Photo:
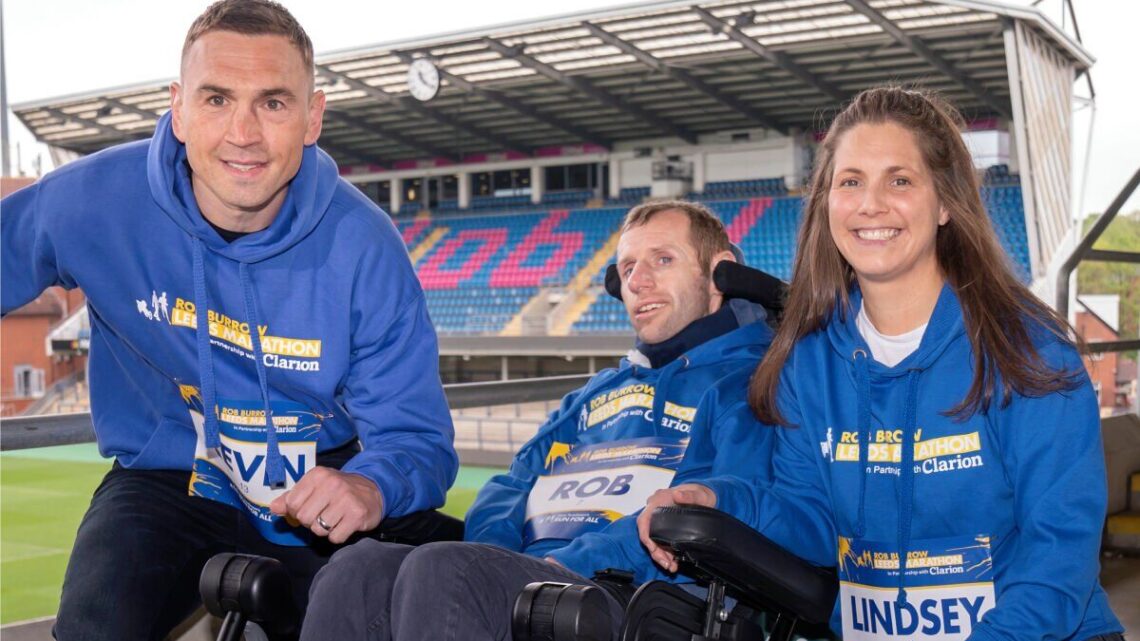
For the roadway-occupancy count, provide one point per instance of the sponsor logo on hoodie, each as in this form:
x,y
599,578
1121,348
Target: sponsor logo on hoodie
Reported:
x,y
931,456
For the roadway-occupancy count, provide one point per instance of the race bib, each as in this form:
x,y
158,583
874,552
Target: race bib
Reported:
x,y
949,588
588,487
235,473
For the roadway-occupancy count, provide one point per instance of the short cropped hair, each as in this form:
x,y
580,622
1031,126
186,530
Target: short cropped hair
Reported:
x,y
706,232
251,18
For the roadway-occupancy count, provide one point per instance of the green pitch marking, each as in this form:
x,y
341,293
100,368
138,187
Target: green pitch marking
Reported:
x,y
42,500
43,495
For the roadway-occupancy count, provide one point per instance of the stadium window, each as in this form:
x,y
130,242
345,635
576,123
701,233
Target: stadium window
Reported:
x,y
555,178
413,190
379,192
449,187
520,178
29,381
502,180
481,184
579,177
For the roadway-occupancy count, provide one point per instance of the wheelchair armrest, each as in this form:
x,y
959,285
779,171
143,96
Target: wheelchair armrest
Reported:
x,y
257,588
757,570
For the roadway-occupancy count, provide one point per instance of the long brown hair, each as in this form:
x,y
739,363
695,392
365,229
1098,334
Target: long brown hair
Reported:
x,y
1000,313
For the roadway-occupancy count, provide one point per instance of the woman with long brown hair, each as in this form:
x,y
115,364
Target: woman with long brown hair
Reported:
x,y
937,436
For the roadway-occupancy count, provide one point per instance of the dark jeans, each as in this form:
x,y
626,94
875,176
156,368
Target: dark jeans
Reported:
x,y
440,592
133,573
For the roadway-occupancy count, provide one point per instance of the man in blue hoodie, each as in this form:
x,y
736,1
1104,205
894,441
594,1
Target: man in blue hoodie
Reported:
x,y
234,283
676,406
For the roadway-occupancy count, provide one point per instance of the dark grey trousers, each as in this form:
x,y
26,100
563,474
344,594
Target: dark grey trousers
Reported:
x,y
440,592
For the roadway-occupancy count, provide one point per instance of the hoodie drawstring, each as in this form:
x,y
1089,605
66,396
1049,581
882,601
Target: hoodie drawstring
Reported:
x,y
905,496
274,466
863,418
906,475
662,388
205,359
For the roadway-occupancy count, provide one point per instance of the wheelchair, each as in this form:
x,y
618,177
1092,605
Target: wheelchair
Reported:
x,y
242,589
727,556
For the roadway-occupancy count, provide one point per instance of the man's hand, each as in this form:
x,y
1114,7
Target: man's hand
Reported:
x,y
344,502
686,494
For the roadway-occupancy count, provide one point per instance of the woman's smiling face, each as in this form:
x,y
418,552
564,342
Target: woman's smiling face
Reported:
x,y
883,209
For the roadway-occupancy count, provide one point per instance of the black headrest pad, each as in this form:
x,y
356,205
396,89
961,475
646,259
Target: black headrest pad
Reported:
x,y
733,280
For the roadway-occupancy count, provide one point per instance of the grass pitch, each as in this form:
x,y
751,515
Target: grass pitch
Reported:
x,y
43,495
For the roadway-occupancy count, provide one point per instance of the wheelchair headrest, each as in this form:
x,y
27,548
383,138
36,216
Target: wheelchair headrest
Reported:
x,y
734,280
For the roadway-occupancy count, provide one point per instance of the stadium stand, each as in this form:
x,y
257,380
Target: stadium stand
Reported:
x,y
480,269
1001,194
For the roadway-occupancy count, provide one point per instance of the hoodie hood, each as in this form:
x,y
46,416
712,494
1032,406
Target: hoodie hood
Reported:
x,y
944,326
308,198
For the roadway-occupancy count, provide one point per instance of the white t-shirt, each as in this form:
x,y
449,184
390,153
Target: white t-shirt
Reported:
x,y
888,350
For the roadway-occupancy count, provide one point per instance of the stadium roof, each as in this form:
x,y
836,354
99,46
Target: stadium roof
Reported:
x,y
663,69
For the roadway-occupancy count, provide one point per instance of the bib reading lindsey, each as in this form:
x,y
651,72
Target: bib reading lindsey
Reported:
x,y
949,588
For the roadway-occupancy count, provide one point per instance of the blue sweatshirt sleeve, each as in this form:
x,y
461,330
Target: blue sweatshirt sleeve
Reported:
x,y
726,439
393,392
1053,455
27,256
498,514
792,507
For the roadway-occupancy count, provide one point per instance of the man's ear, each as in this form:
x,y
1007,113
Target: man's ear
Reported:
x,y
716,260
176,99
716,297
316,117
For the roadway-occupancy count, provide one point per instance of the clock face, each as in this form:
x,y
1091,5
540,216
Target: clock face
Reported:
x,y
423,79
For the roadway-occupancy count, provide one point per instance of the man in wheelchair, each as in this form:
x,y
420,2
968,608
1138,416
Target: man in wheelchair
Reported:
x,y
675,406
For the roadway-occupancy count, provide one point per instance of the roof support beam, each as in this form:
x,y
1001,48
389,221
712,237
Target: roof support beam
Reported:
x,y
342,152
126,108
521,107
685,78
778,58
94,124
415,106
380,130
938,62
583,86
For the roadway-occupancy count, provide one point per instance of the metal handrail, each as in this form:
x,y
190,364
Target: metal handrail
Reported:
x,y
1084,251
43,430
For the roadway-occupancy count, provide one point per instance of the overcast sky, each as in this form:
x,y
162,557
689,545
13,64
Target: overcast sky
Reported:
x,y
59,47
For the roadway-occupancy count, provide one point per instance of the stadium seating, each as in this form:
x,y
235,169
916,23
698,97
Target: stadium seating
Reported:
x,y
480,269
629,196
483,269
741,189
1007,211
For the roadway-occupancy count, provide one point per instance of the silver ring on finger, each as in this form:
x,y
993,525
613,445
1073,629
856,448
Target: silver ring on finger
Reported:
x,y
325,526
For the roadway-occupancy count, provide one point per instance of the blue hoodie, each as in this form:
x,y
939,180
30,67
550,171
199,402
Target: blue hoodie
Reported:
x,y
343,326
605,426
1001,510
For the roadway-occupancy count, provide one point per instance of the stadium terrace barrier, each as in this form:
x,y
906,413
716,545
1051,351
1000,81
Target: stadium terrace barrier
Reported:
x,y
23,432
1085,251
